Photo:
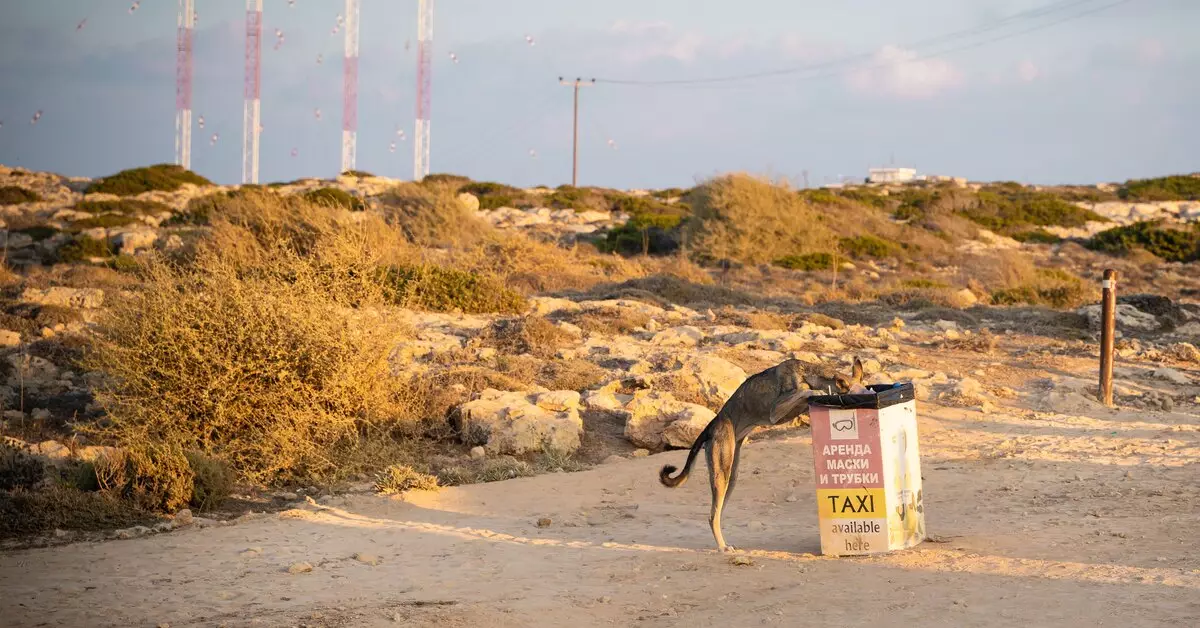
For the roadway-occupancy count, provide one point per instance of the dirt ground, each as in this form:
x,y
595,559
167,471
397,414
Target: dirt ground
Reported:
x,y
1036,519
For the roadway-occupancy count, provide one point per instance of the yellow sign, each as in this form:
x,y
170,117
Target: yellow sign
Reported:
x,y
852,503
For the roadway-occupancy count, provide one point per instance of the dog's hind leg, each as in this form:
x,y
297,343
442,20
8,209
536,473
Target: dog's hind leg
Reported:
x,y
737,458
721,451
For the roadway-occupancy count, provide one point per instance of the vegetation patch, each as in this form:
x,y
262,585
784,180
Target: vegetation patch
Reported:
x,y
15,195
39,232
105,221
867,246
1172,188
495,195
125,206
1167,243
1010,208
334,197
83,248
1049,286
1036,236
157,178
444,289
398,479
806,262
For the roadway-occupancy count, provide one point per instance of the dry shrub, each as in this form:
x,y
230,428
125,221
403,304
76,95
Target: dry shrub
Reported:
x,y
529,335
530,266
573,374
63,508
610,321
1013,279
664,289
982,342
398,479
265,368
18,469
754,319
430,215
442,289
753,221
212,481
484,470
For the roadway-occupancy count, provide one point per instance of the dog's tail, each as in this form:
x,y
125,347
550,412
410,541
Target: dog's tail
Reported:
x,y
664,475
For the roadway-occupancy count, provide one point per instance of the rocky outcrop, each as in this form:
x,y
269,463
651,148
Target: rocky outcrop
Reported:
x,y
519,422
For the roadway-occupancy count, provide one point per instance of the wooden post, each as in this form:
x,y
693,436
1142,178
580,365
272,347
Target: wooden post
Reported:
x,y
1108,324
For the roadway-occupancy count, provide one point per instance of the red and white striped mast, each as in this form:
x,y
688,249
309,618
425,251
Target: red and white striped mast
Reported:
x,y
424,88
251,119
183,85
350,89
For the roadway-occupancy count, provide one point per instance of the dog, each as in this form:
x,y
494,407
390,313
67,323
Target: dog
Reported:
x,y
774,396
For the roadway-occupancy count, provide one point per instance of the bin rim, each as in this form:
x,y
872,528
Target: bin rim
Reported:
x,y
885,395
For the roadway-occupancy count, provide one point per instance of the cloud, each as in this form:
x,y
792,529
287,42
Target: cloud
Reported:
x,y
1028,71
897,72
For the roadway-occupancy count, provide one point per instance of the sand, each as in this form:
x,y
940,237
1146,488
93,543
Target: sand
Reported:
x,y
1036,519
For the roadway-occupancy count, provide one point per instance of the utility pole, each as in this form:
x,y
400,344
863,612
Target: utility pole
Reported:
x,y
577,83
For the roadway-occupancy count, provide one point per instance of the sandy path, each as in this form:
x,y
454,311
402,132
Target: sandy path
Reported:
x,y
1045,521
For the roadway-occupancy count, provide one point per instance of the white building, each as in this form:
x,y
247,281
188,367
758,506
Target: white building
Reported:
x,y
891,175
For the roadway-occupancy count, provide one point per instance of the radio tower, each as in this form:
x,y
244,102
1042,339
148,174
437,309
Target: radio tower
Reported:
x,y
251,119
183,85
424,88
350,89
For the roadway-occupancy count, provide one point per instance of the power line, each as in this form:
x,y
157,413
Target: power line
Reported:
x,y
851,59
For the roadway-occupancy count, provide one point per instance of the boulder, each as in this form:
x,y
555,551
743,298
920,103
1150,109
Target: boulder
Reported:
x,y
1128,317
651,417
65,297
520,422
712,378
137,240
686,336
9,338
468,201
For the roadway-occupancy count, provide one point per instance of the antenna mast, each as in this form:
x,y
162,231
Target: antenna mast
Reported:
x,y
183,85
424,88
251,118
350,89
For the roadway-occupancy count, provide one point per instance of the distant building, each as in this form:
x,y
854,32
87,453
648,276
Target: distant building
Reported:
x,y
891,175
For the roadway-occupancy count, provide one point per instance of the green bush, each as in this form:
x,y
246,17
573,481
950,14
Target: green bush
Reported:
x,y
335,198
806,262
125,206
647,233
39,232
161,177
441,289
1006,208
454,180
1040,236
124,263
63,508
921,283
15,195
358,174
867,246
104,220
668,193
83,248
1172,188
865,196
1170,244
200,211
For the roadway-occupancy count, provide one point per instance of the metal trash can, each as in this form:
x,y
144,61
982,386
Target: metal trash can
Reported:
x,y
867,471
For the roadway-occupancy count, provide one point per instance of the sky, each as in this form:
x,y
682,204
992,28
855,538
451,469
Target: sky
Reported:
x,y
949,87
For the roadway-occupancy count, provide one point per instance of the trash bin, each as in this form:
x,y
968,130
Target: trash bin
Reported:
x,y
867,468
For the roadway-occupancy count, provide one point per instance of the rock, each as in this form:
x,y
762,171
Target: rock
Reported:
x,y
367,559
133,533
1172,375
544,522
951,334
519,422
40,414
9,338
757,526
613,459
945,325
963,299
686,336
47,332
871,366
51,449
14,415
130,241
640,453
713,378
65,297
469,201
1184,352
251,552
652,325
478,453
299,568
1128,317
649,413
183,518
740,560
542,306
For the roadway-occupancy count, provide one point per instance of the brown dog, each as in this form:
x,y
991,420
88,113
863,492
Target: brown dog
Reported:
x,y
773,396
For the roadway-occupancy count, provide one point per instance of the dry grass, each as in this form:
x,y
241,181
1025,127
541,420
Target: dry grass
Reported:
x,y
398,479
529,335
609,321
430,215
1014,279
754,319
745,219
